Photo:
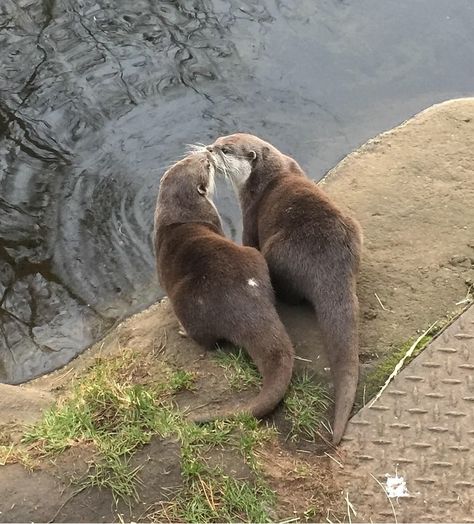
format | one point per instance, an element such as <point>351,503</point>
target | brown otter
<point>218,289</point>
<point>312,248</point>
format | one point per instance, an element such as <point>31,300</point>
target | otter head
<point>186,191</point>
<point>241,156</point>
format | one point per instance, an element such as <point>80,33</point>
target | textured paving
<point>422,427</point>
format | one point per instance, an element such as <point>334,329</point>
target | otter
<point>218,289</point>
<point>312,249</point>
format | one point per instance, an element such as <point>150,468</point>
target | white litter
<point>396,487</point>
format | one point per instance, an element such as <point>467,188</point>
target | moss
<point>373,381</point>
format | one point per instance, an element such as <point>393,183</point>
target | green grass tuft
<point>110,411</point>
<point>306,405</point>
<point>208,495</point>
<point>116,415</point>
<point>306,402</point>
<point>211,496</point>
<point>376,378</point>
<point>181,379</point>
<point>239,370</point>
<point>115,473</point>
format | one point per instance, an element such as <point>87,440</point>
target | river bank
<point>412,190</point>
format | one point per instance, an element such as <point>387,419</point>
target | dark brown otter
<point>312,249</point>
<point>218,290</point>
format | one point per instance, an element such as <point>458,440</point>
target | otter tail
<point>338,323</point>
<point>273,354</point>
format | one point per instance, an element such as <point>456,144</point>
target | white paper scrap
<point>396,487</point>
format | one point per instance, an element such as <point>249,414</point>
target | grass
<point>108,411</point>
<point>11,454</point>
<point>106,408</point>
<point>306,405</point>
<point>376,378</point>
<point>208,493</point>
<point>306,402</point>
<point>181,379</point>
<point>239,370</point>
<point>212,496</point>
<point>115,473</point>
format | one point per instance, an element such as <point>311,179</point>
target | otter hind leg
<point>284,289</point>
<point>283,281</point>
<point>204,339</point>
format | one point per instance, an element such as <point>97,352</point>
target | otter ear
<point>201,189</point>
<point>252,156</point>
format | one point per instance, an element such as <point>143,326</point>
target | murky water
<point>97,97</point>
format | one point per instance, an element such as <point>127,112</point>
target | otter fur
<point>312,249</point>
<point>218,289</point>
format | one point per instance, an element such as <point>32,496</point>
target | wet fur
<point>218,290</point>
<point>312,249</point>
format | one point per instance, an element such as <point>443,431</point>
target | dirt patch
<point>412,190</point>
<point>46,494</point>
<point>20,405</point>
<point>306,483</point>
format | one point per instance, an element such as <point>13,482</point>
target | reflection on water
<point>97,97</point>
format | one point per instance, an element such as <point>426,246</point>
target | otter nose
<point>210,149</point>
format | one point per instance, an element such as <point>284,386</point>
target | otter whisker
<point>195,148</point>
<point>212,182</point>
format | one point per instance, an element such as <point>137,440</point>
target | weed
<point>114,472</point>
<point>11,454</point>
<point>311,513</point>
<point>116,415</point>
<point>239,370</point>
<point>208,495</point>
<point>181,379</point>
<point>377,377</point>
<point>211,496</point>
<point>306,404</point>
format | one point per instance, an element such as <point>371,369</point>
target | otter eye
<point>201,189</point>
<point>226,150</point>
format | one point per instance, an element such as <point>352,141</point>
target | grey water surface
<point>97,97</point>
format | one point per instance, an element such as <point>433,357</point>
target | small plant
<point>306,405</point>
<point>208,495</point>
<point>181,379</point>
<point>116,415</point>
<point>238,369</point>
<point>377,377</point>
<point>211,496</point>
<point>110,411</point>
<point>114,472</point>
<point>10,454</point>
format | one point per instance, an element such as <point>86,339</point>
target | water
<point>97,97</point>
